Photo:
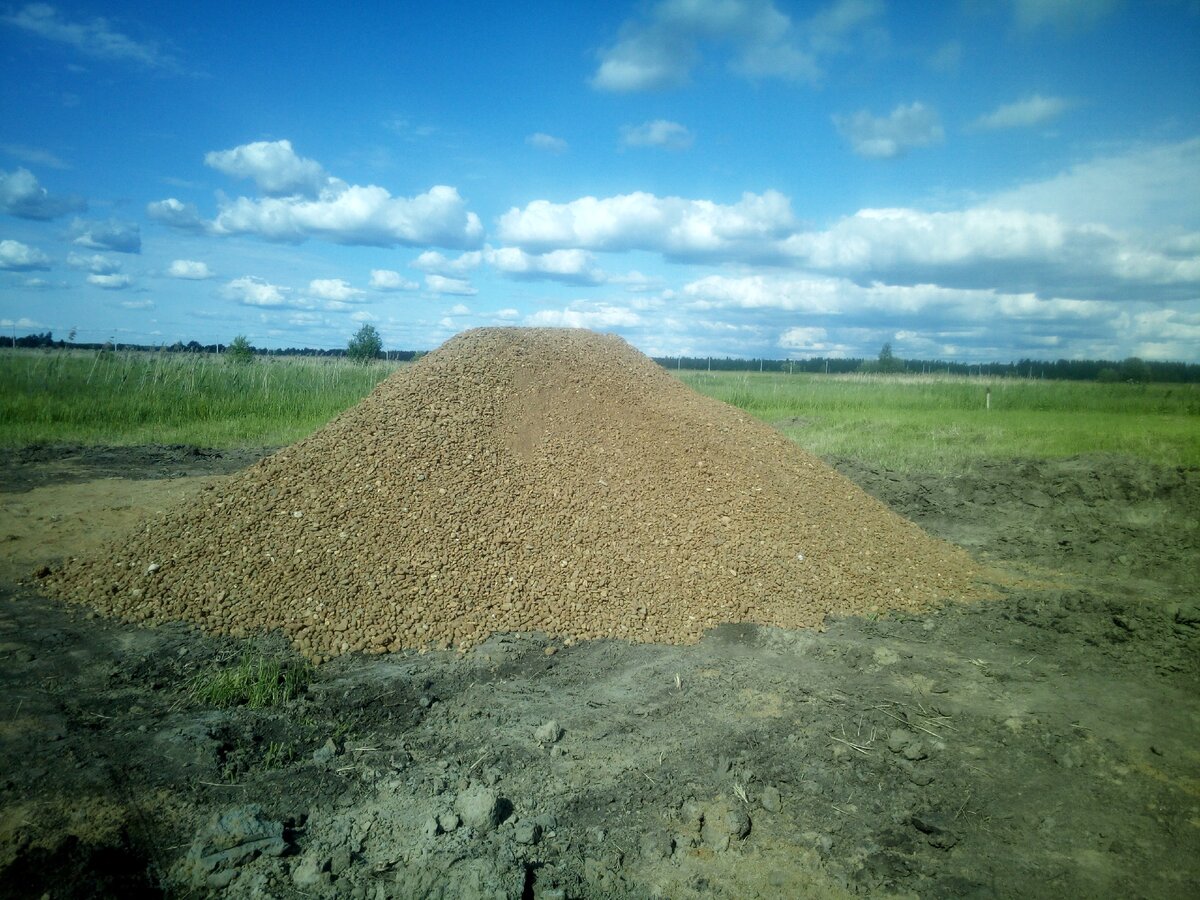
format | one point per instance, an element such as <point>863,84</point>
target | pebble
<point>480,808</point>
<point>771,800</point>
<point>527,832</point>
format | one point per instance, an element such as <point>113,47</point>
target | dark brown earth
<point>1043,744</point>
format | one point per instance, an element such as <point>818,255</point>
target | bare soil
<point>1041,744</point>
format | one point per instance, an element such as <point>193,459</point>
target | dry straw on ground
<point>523,480</point>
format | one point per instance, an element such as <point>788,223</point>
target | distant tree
<point>365,345</point>
<point>1108,375</point>
<point>239,352</point>
<point>1135,370</point>
<point>888,361</point>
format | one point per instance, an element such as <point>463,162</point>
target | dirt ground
<point>1044,744</point>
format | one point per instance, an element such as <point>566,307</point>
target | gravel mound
<point>523,480</point>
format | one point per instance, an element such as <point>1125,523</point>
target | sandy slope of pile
<point>519,480</point>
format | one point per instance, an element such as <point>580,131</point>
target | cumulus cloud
<point>438,263</point>
<point>189,269</point>
<point>115,235</point>
<point>541,141</point>
<point>659,50</point>
<point>111,282</point>
<point>95,38</point>
<point>659,133</point>
<point>274,167</point>
<point>1033,110</point>
<point>335,289</point>
<point>1012,250</point>
<point>18,257</point>
<point>570,266</point>
<point>389,280</point>
<point>177,214</point>
<point>21,195</point>
<point>440,284</point>
<point>252,291</point>
<point>841,300</point>
<point>96,263</point>
<point>585,314</point>
<point>886,137</point>
<point>356,214</point>
<point>642,221</point>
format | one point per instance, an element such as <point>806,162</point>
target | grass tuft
<point>257,681</point>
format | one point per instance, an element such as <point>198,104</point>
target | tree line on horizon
<point>1132,369</point>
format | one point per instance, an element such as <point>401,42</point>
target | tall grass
<point>169,398</point>
<point>904,422</point>
<point>940,422</point>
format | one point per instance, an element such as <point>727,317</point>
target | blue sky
<point>967,180</point>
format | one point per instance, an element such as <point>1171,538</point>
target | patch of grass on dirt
<point>256,680</point>
<point>936,423</point>
<point>128,398</point>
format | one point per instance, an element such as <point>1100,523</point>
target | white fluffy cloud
<point>886,137</point>
<point>438,263</point>
<point>274,166</point>
<point>390,280</point>
<point>97,264</point>
<point>110,282</point>
<point>1033,110</point>
<point>585,314</point>
<point>252,291</point>
<point>658,133</point>
<point>335,289</point>
<point>21,195</point>
<point>177,214</point>
<point>189,269</point>
<point>541,141</point>
<point>18,257</point>
<point>303,202</point>
<point>115,235</point>
<point>570,266</point>
<point>356,215</point>
<point>841,300</point>
<point>1010,250</point>
<point>672,225</point>
<point>440,284</point>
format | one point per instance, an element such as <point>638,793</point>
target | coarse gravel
<point>517,480</point>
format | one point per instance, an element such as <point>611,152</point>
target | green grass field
<point>52,397</point>
<point>927,423</point>
<point>935,423</point>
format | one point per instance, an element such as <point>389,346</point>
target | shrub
<point>366,344</point>
<point>239,352</point>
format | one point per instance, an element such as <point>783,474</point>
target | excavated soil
<point>516,480</point>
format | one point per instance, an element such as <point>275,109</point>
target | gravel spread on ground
<point>518,480</point>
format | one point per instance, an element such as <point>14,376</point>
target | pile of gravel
<point>523,480</point>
